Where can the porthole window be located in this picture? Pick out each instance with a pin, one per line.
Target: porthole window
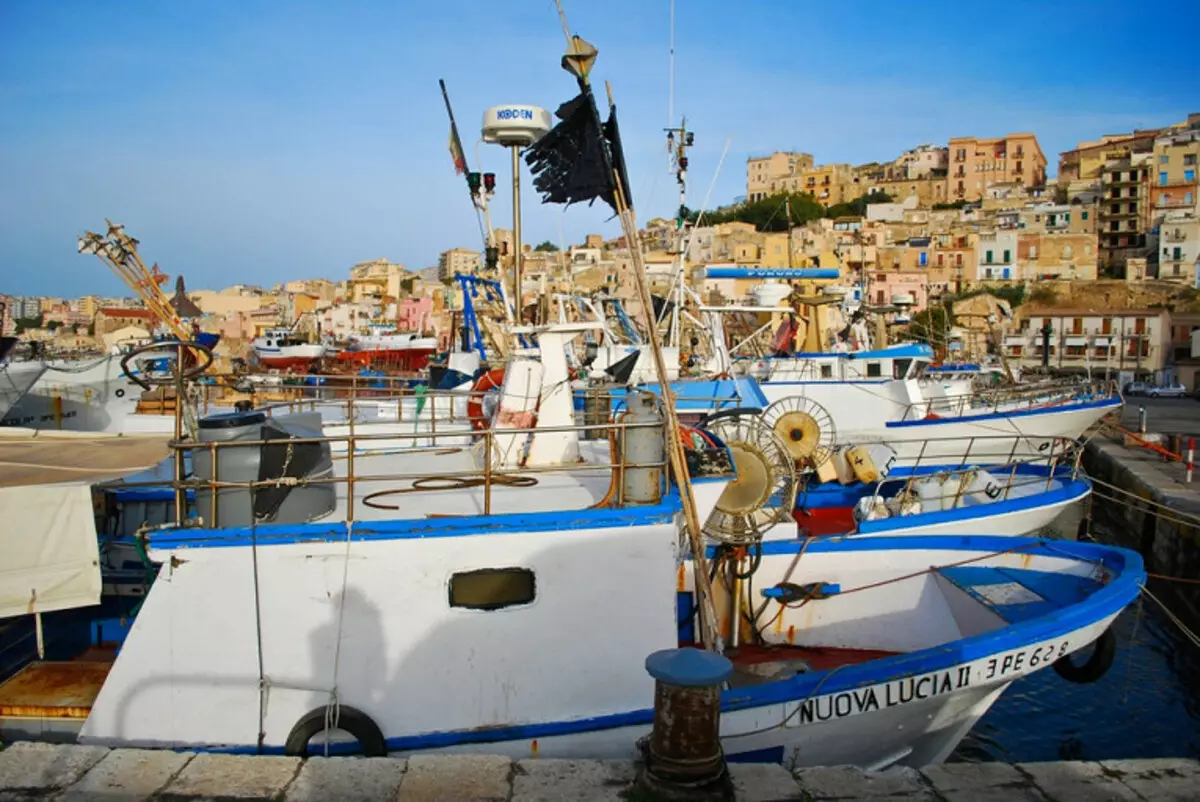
(874, 370)
(492, 588)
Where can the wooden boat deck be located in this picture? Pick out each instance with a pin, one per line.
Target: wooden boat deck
(57, 689)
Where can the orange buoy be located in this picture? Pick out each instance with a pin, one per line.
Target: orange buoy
(492, 380)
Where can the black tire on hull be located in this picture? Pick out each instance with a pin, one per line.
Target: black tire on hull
(349, 719)
(1105, 650)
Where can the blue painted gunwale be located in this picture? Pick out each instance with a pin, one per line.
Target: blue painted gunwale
(1105, 601)
(419, 528)
(1067, 406)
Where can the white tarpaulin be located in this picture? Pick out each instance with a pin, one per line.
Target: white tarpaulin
(49, 557)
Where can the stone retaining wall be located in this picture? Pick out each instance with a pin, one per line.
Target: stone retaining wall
(69, 773)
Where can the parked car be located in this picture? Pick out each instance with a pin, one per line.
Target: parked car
(1136, 388)
(1174, 390)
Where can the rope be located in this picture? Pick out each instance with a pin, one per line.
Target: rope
(258, 634)
(447, 483)
(1191, 636)
(1191, 519)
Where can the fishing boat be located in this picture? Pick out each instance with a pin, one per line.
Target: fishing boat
(395, 350)
(15, 377)
(283, 350)
(351, 595)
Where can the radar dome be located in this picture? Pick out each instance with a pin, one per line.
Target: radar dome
(515, 125)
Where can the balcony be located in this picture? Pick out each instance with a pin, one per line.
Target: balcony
(1174, 236)
(1181, 182)
(1174, 203)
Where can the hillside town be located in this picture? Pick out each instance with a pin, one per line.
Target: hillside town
(1105, 255)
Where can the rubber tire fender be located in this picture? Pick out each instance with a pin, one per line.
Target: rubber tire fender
(1097, 665)
(350, 719)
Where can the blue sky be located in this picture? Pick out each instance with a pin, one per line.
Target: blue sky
(261, 141)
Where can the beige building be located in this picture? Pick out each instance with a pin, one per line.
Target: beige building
(109, 319)
(928, 190)
(1056, 255)
(220, 304)
(1137, 340)
(762, 172)
(1174, 173)
(457, 260)
(1179, 247)
(377, 278)
(1123, 216)
(975, 164)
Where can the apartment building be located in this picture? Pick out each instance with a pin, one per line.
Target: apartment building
(1174, 184)
(1135, 340)
(1056, 256)
(996, 256)
(887, 287)
(975, 164)
(1123, 215)
(457, 260)
(1179, 247)
(1059, 218)
(1085, 163)
(762, 172)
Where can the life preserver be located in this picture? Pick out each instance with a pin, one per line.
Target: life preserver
(348, 719)
(1096, 666)
(492, 380)
(119, 393)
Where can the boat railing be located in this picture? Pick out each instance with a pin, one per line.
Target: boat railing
(1007, 399)
(995, 449)
(1060, 459)
(487, 474)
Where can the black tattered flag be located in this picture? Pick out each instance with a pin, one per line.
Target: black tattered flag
(575, 161)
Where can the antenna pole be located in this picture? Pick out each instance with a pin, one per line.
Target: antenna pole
(516, 188)
(671, 71)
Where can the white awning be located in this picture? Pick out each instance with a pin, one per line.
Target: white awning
(1014, 340)
(52, 559)
(1102, 341)
(1077, 341)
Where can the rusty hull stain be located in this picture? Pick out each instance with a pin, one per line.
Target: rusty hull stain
(53, 690)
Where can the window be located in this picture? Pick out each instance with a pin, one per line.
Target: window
(1007, 258)
(1187, 198)
(988, 258)
(1032, 251)
(1177, 253)
(492, 588)
(923, 259)
(827, 371)
(958, 259)
(941, 258)
(1077, 325)
(1115, 208)
(1085, 214)
(874, 370)
(1189, 159)
(1162, 179)
(1189, 175)
(1163, 159)
(1133, 208)
(1162, 197)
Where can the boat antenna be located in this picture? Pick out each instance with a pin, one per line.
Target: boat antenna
(480, 187)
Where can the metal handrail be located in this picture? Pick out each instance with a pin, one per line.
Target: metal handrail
(1006, 399)
(491, 473)
(1055, 460)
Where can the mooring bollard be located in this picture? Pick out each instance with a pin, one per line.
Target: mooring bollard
(683, 757)
(1141, 420)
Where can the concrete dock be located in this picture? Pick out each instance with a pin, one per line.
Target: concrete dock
(70, 773)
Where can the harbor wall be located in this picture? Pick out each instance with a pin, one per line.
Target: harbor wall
(30, 771)
(1146, 502)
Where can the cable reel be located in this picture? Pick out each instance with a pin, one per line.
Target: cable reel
(764, 492)
(806, 429)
